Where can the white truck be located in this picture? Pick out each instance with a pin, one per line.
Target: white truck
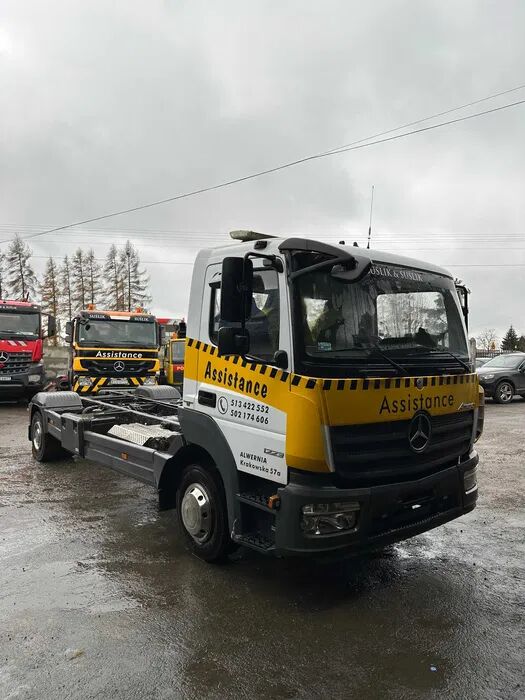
(329, 403)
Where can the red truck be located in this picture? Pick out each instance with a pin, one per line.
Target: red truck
(21, 338)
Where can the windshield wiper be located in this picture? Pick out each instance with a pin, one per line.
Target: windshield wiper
(435, 351)
(384, 355)
(378, 351)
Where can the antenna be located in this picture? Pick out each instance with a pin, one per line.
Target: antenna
(370, 222)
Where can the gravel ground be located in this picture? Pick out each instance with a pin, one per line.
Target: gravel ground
(99, 599)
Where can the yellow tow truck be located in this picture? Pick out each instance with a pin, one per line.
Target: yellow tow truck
(112, 350)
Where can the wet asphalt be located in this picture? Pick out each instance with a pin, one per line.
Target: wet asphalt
(100, 599)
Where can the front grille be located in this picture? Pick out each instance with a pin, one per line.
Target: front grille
(16, 363)
(380, 452)
(106, 368)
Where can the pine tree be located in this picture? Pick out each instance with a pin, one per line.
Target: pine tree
(21, 278)
(3, 286)
(50, 291)
(113, 276)
(135, 280)
(510, 340)
(93, 278)
(78, 268)
(66, 308)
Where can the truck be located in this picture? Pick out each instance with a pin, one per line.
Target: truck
(112, 349)
(172, 355)
(329, 404)
(22, 333)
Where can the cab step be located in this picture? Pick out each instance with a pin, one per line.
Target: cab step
(259, 500)
(255, 540)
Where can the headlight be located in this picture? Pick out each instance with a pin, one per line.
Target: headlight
(84, 381)
(329, 518)
(34, 378)
(150, 380)
(486, 377)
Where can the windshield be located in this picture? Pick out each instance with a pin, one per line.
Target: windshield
(115, 333)
(508, 361)
(177, 350)
(13, 325)
(392, 310)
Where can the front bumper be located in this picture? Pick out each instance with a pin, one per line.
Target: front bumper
(488, 387)
(387, 513)
(19, 385)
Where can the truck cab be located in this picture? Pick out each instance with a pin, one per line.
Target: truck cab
(112, 350)
(338, 381)
(22, 372)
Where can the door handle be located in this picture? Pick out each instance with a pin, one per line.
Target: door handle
(207, 398)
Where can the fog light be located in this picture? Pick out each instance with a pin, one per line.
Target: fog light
(34, 378)
(84, 381)
(470, 480)
(329, 518)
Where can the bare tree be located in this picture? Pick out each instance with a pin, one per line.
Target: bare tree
(113, 276)
(50, 291)
(21, 278)
(93, 278)
(135, 280)
(66, 307)
(487, 339)
(3, 286)
(78, 268)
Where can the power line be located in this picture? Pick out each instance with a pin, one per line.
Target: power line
(277, 168)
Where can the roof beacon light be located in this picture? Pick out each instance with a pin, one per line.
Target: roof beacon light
(247, 236)
(91, 307)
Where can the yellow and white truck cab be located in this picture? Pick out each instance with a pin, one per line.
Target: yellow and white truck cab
(329, 403)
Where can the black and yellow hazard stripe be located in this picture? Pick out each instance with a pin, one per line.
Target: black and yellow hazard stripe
(98, 383)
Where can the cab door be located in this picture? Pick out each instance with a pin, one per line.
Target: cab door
(246, 396)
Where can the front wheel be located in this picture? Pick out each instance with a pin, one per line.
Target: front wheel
(504, 392)
(45, 447)
(202, 513)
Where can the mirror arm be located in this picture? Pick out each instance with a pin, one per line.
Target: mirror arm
(325, 263)
(276, 262)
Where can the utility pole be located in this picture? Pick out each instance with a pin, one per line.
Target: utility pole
(370, 222)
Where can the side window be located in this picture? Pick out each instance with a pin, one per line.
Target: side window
(263, 324)
(215, 313)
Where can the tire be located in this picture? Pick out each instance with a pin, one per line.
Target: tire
(504, 392)
(202, 513)
(45, 447)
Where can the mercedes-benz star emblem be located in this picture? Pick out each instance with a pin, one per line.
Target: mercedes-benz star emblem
(119, 366)
(3, 356)
(419, 432)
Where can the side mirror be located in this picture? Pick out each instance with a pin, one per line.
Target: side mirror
(280, 359)
(181, 331)
(236, 289)
(69, 332)
(51, 326)
(233, 341)
(162, 335)
(463, 293)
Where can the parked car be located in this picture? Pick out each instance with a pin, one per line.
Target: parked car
(480, 361)
(503, 377)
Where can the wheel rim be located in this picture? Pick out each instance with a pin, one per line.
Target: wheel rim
(37, 435)
(196, 512)
(506, 392)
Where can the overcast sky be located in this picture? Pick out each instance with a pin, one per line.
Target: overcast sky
(107, 105)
